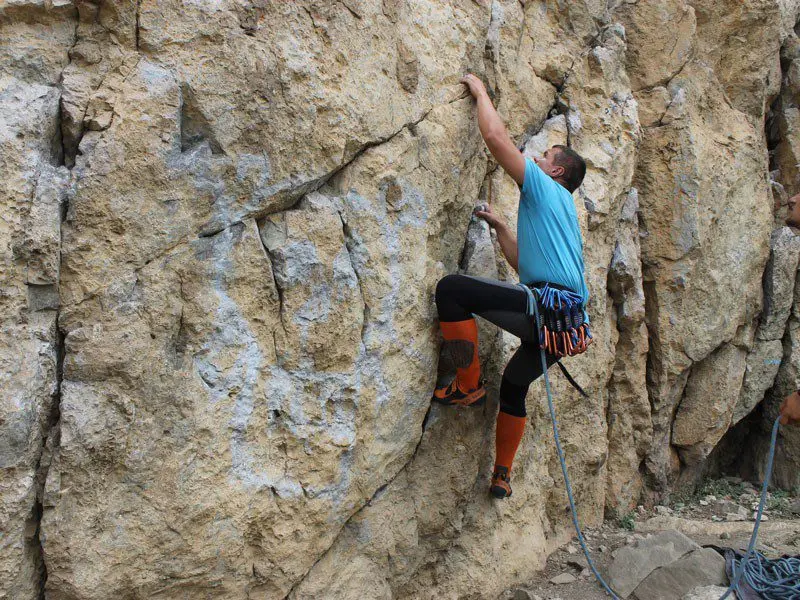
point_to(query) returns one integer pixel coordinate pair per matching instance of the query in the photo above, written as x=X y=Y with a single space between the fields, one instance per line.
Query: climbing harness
x=560 y=319
x=561 y=323
x=779 y=579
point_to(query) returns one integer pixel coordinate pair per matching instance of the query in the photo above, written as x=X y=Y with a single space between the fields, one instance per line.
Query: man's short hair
x=574 y=166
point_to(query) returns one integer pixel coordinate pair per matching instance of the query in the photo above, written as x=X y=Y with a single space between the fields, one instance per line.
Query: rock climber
x=548 y=248
x=790 y=407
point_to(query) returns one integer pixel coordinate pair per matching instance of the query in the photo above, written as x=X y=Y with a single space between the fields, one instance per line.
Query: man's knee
x=512 y=398
x=448 y=286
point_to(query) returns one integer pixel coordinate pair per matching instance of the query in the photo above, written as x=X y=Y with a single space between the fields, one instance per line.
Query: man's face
x=793 y=216
x=547 y=163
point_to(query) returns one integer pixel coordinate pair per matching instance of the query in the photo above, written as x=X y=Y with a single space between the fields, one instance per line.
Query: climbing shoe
x=460 y=347
x=453 y=395
x=501 y=483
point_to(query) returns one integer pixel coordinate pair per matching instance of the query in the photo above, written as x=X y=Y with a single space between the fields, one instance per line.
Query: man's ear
x=557 y=171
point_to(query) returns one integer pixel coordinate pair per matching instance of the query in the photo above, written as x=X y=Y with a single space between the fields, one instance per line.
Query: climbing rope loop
x=533 y=310
x=772 y=579
x=777 y=579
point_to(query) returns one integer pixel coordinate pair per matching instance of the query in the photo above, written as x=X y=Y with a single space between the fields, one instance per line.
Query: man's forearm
x=489 y=122
x=508 y=245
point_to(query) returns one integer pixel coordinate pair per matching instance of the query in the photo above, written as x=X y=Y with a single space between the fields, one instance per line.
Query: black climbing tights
x=458 y=297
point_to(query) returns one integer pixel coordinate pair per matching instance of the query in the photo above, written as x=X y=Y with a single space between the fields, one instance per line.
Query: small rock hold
x=603 y=549
x=724 y=535
x=703 y=503
x=563 y=578
x=663 y=510
x=571 y=549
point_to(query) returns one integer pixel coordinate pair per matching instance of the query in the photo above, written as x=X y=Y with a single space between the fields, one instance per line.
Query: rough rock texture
x=224 y=223
x=709 y=592
x=33 y=51
x=699 y=568
x=633 y=564
x=778 y=327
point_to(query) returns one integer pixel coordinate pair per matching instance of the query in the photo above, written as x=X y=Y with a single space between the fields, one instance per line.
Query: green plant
x=628 y=522
x=720 y=488
x=778 y=499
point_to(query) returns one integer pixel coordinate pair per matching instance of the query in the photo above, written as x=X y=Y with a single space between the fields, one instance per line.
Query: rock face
x=223 y=227
x=35 y=44
x=633 y=565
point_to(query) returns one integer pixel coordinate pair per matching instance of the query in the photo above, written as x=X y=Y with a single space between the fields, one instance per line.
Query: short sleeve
x=537 y=186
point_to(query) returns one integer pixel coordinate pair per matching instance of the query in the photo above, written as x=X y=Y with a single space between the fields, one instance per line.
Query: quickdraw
x=561 y=322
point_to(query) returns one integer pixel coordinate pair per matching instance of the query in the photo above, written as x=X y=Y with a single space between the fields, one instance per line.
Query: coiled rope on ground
x=777 y=579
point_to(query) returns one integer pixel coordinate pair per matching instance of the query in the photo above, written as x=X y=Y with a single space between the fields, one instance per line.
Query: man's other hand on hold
x=484 y=211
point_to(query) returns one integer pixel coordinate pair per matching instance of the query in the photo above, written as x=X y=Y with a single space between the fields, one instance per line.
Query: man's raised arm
x=494 y=132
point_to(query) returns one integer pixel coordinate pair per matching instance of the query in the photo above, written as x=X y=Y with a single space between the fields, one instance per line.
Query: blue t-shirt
x=548 y=235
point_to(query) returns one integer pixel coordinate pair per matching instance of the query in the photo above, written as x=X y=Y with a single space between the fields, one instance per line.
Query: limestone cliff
x=223 y=222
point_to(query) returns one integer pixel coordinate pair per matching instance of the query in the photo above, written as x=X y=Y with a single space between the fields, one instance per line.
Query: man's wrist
x=500 y=227
x=483 y=95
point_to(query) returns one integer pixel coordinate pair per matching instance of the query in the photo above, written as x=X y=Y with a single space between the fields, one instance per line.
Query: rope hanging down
x=772 y=579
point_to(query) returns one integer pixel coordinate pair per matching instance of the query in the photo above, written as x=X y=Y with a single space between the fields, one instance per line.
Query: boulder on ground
x=698 y=568
x=632 y=564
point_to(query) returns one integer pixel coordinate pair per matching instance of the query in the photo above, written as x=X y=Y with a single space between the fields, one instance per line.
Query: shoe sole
x=475 y=398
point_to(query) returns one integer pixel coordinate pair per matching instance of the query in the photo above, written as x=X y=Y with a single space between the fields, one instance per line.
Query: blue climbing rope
x=773 y=579
x=777 y=579
x=533 y=310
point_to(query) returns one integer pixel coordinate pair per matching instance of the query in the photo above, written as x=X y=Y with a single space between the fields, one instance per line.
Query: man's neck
x=561 y=182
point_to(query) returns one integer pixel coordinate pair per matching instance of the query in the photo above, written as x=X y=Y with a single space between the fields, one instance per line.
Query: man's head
x=793 y=216
x=564 y=165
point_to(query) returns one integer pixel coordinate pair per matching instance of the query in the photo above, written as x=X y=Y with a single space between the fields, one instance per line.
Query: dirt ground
x=715 y=515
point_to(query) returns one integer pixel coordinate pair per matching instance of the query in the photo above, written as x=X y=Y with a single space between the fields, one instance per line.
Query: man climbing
x=548 y=248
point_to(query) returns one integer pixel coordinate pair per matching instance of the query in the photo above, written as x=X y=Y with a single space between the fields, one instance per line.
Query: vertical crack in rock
x=194 y=126
x=50 y=439
x=66 y=156
x=655 y=476
x=278 y=287
x=351 y=244
x=136 y=33
x=50 y=442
